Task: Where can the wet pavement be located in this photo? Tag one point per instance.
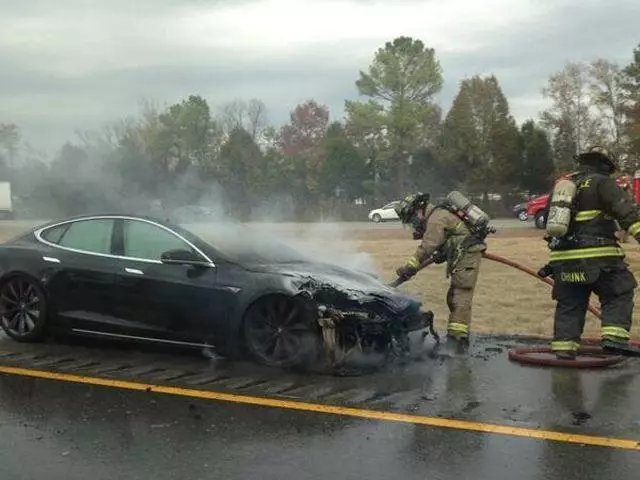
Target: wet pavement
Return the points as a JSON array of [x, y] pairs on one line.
[[58, 430]]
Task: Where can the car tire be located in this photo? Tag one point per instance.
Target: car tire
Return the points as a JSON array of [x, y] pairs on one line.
[[522, 216], [23, 309], [280, 331], [376, 218], [541, 219]]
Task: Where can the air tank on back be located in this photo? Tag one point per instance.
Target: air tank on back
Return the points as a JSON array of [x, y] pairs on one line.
[[559, 216], [475, 216]]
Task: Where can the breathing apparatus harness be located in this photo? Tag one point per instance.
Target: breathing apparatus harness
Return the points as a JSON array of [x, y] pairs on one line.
[[476, 221]]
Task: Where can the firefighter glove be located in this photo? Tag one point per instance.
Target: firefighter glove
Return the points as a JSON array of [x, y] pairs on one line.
[[406, 271], [545, 271], [439, 257]]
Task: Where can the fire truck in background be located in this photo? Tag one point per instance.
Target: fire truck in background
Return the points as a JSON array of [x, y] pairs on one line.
[[536, 208]]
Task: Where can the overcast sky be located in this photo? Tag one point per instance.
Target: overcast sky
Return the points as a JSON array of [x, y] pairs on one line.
[[67, 64]]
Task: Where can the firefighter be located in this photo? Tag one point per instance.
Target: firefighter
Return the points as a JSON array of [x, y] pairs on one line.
[[447, 238], [585, 257]]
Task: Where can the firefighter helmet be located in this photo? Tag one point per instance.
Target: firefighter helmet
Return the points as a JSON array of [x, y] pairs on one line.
[[600, 154], [407, 208]]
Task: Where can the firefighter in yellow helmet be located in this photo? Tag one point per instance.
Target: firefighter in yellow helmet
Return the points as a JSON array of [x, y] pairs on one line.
[[445, 236], [585, 256]]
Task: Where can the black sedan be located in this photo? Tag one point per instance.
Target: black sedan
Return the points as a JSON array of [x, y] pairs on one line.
[[138, 278]]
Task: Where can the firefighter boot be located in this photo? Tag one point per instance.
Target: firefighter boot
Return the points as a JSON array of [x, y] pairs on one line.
[[620, 348], [456, 344], [566, 355]]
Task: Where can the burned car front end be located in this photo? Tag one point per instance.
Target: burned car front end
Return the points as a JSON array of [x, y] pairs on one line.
[[355, 312]]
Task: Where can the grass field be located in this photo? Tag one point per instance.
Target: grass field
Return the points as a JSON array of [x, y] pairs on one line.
[[507, 300]]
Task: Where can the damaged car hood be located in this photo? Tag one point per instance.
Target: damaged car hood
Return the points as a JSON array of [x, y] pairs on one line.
[[334, 284]]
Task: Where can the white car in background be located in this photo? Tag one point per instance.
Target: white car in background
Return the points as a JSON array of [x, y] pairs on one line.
[[385, 213]]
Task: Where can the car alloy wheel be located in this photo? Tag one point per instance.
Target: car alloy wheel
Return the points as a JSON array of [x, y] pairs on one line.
[[523, 216], [278, 332], [22, 309], [376, 218]]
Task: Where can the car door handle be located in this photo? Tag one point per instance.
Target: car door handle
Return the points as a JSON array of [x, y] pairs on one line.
[[51, 259], [134, 271]]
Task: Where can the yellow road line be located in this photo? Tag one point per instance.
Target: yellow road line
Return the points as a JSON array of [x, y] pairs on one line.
[[333, 410]]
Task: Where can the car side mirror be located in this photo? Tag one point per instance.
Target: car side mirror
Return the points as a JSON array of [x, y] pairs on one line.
[[181, 257]]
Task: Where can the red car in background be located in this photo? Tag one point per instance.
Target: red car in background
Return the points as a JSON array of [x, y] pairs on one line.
[[536, 208]]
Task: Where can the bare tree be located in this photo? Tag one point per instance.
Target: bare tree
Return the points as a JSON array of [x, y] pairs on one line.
[[570, 118], [250, 116], [257, 118], [608, 97]]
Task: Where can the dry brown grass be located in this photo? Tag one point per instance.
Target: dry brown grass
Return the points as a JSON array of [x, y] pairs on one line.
[[507, 301]]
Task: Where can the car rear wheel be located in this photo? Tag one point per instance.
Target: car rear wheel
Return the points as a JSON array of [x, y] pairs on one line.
[[280, 332], [522, 215], [22, 309], [376, 218]]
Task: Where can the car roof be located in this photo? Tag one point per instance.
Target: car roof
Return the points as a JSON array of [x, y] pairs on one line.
[[105, 214]]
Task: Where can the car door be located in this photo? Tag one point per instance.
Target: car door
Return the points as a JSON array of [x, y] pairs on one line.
[[165, 301], [388, 212], [80, 271]]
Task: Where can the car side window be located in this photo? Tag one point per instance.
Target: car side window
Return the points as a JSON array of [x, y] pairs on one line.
[[54, 234], [92, 236], [148, 241]]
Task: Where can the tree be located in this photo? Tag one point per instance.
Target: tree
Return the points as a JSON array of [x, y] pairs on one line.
[[303, 138], [570, 118], [344, 171], [480, 139], [537, 158], [607, 95], [251, 116], [191, 130], [242, 165], [401, 82], [366, 129], [631, 107]]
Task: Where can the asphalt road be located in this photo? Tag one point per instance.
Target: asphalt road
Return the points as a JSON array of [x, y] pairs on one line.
[[55, 429]]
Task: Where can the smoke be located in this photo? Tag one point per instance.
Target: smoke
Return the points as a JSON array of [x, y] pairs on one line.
[[91, 179]]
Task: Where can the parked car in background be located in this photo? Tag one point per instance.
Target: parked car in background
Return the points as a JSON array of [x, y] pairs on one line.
[[520, 211], [537, 209], [385, 213]]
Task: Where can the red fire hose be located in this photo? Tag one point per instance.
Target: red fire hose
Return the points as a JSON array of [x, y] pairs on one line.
[[533, 273], [588, 356]]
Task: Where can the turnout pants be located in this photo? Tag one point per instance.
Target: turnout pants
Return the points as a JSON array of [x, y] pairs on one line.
[[614, 285], [460, 295]]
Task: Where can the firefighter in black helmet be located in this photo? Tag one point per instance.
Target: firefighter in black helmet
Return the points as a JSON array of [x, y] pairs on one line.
[[588, 258]]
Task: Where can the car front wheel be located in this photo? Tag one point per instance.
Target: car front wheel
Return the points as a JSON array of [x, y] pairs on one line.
[[522, 215], [280, 332], [22, 309], [376, 218]]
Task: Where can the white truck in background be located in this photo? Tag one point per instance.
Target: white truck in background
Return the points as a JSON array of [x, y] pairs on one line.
[[6, 205]]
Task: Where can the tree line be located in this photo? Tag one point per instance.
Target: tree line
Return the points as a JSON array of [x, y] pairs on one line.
[[394, 141]]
